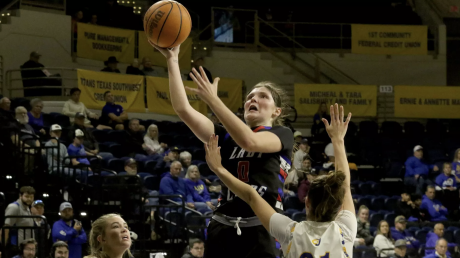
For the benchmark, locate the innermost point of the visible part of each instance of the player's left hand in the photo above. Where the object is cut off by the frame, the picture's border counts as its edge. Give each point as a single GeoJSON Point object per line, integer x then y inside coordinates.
{"type": "Point", "coordinates": [213, 157]}
{"type": "Point", "coordinates": [206, 90]}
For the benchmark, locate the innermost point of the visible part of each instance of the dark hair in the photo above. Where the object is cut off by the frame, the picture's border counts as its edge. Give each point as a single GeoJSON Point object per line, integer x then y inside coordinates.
{"type": "Point", "coordinates": [195, 241]}
{"type": "Point", "coordinates": [279, 97]}
{"type": "Point", "coordinates": [132, 120]}
{"type": "Point", "coordinates": [105, 93]}
{"type": "Point", "coordinates": [56, 246]}
{"type": "Point", "coordinates": [446, 163]}
{"type": "Point", "coordinates": [319, 109]}
{"type": "Point", "coordinates": [326, 196]}
{"type": "Point", "coordinates": [430, 187]}
{"type": "Point", "coordinates": [389, 231]}
{"type": "Point", "coordinates": [415, 197]}
{"type": "Point", "coordinates": [73, 90]}
{"type": "Point", "coordinates": [27, 190]}
{"type": "Point", "coordinates": [23, 244]}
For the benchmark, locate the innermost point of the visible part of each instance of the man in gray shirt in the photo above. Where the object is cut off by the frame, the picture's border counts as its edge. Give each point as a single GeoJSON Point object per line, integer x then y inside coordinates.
{"type": "Point", "coordinates": [20, 208]}
{"type": "Point", "coordinates": [55, 156]}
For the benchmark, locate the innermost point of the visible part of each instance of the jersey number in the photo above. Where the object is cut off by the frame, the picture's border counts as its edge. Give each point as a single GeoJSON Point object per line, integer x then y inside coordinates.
{"type": "Point", "coordinates": [309, 255]}
{"type": "Point", "coordinates": [243, 171]}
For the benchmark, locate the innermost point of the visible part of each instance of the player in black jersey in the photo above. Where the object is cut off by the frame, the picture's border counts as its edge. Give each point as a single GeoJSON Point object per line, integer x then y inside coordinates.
{"type": "Point", "coordinates": [258, 153]}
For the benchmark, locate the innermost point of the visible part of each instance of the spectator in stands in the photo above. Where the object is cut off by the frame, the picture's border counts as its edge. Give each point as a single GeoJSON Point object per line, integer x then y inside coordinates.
{"type": "Point", "coordinates": [36, 116]}
{"type": "Point", "coordinates": [417, 213]}
{"type": "Point", "coordinates": [113, 115]}
{"type": "Point", "coordinates": [329, 158]}
{"type": "Point", "coordinates": [76, 18]}
{"type": "Point", "coordinates": [383, 240]}
{"type": "Point", "coordinates": [434, 207]}
{"type": "Point", "coordinates": [432, 239]}
{"type": "Point", "coordinates": [303, 151]}
{"type": "Point", "coordinates": [28, 249]}
{"type": "Point", "coordinates": [297, 139]}
{"type": "Point", "coordinates": [153, 146]}
{"type": "Point", "coordinates": [196, 249]}
{"type": "Point", "coordinates": [69, 230]}
{"type": "Point", "coordinates": [304, 185]}
{"type": "Point", "coordinates": [400, 249]}
{"type": "Point", "coordinates": [170, 156]}
{"type": "Point", "coordinates": [131, 167]}
{"type": "Point", "coordinates": [93, 20]}
{"type": "Point", "coordinates": [55, 156]}
{"type": "Point", "coordinates": [172, 184]}
{"type": "Point", "coordinates": [76, 149]}
{"type": "Point", "coordinates": [89, 141]}
{"type": "Point", "coordinates": [19, 208]}
{"type": "Point", "coordinates": [198, 187]}
{"type": "Point", "coordinates": [42, 234]}
{"type": "Point", "coordinates": [440, 250]}
{"type": "Point", "coordinates": [445, 180]}
{"type": "Point", "coordinates": [149, 70]}
{"type": "Point", "coordinates": [74, 106]}
{"type": "Point", "coordinates": [318, 125]}
{"type": "Point", "coordinates": [60, 249]}
{"type": "Point", "coordinates": [135, 136]}
{"type": "Point", "coordinates": [363, 235]}
{"type": "Point", "coordinates": [185, 159]}
{"type": "Point", "coordinates": [27, 132]}
{"type": "Point", "coordinates": [134, 68]}
{"type": "Point", "coordinates": [296, 175]}
{"type": "Point", "coordinates": [5, 106]}
{"type": "Point", "coordinates": [446, 190]}
{"type": "Point", "coordinates": [404, 205]}
{"type": "Point", "coordinates": [417, 170]}
{"type": "Point", "coordinates": [111, 65]}
{"type": "Point", "coordinates": [399, 232]}
{"type": "Point", "coordinates": [199, 62]}
{"type": "Point", "coordinates": [214, 119]}
{"type": "Point", "coordinates": [456, 165]}
{"type": "Point", "coordinates": [32, 78]}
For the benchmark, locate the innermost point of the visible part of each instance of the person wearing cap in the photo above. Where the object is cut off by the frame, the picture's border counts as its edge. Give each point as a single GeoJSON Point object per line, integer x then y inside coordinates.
{"type": "Point", "coordinates": [399, 232]}
{"type": "Point", "coordinates": [111, 65]}
{"type": "Point", "coordinates": [55, 156]}
{"type": "Point", "coordinates": [400, 249]}
{"type": "Point", "coordinates": [440, 250]}
{"type": "Point", "coordinates": [69, 230]}
{"type": "Point", "coordinates": [77, 149]}
{"type": "Point", "coordinates": [417, 171]}
{"type": "Point", "coordinates": [42, 234]}
{"type": "Point", "coordinates": [37, 72]}
{"type": "Point", "coordinates": [434, 207]}
{"type": "Point", "coordinates": [303, 152]}
{"type": "Point", "coordinates": [113, 115]}
{"type": "Point", "coordinates": [131, 167]}
{"type": "Point", "coordinates": [297, 139]}
{"type": "Point", "coordinates": [171, 155]}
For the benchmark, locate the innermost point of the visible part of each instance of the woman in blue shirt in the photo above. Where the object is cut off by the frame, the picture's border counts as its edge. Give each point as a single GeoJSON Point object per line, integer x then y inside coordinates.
{"type": "Point", "coordinates": [456, 165]}
{"type": "Point", "coordinates": [198, 187]}
{"type": "Point", "coordinates": [36, 116]}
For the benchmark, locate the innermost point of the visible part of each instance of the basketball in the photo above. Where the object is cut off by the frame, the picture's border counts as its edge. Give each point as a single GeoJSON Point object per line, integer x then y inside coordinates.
{"type": "Point", "coordinates": [167, 23]}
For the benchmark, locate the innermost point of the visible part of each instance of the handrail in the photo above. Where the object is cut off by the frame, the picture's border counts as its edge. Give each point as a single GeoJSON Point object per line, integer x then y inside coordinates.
{"type": "Point", "coordinates": [310, 52]}
{"type": "Point", "coordinates": [201, 32]}
{"type": "Point", "coordinates": [8, 6]}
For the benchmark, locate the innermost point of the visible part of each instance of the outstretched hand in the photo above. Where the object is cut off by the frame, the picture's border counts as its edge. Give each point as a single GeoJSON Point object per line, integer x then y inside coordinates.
{"type": "Point", "coordinates": [167, 52]}
{"type": "Point", "coordinates": [205, 90]}
{"type": "Point", "coordinates": [337, 128]}
{"type": "Point", "coordinates": [213, 157]}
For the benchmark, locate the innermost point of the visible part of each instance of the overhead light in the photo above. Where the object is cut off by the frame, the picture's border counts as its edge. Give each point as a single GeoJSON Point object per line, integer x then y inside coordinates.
{"type": "Point", "coordinates": [3, 14]}
{"type": "Point", "coordinates": [46, 195]}
{"type": "Point", "coordinates": [9, 177]}
{"type": "Point", "coordinates": [138, 11]}
{"type": "Point", "coordinates": [134, 2]}
{"type": "Point", "coordinates": [59, 213]}
{"type": "Point", "coordinates": [140, 7]}
{"type": "Point", "coordinates": [83, 214]}
{"type": "Point", "coordinates": [204, 48]}
{"type": "Point", "coordinates": [122, 2]}
{"type": "Point", "coordinates": [127, 2]}
{"type": "Point", "coordinates": [118, 1]}
{"type": "Point", "coordinates": [8, 14]}
{"type": "Point", "coordinates": [192, 61]}
{"type": "Point", "coordinates": [134, 11]}
{"type": "Point", "coordinates": [135, 7]}
{"type": "Point", "coordinates": [194, 47]}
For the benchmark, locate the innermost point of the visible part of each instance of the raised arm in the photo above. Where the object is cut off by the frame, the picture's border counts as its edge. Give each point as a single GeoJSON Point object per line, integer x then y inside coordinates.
{"type": "Point", "coordinates": [337, 130]}
{"type": "Point", "coordinates": [200, 125]}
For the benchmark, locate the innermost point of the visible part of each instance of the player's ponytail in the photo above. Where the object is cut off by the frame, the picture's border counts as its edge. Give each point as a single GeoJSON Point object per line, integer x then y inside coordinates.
{"type": "Point", "coordinates": [326, 196]}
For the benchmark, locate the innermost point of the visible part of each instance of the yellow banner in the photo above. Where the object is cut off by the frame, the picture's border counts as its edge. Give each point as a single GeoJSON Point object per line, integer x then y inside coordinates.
{"type": "Point", "coordinates": [99, 43]}
{"type": "Point", "coordinates": [146, 50]}
{"type": "Point", "coordinates": [361, 100]}
{"type": "Point", "coordinates": [230, 92]}
{"type": "Point", "coordinates": [427, 101]}
{"type": "Point", "coordinates": [389, 39]}
{"type": "Point", "coordinates": [128, 90]}
{"type": "Point", "coordinates": [159, 100]}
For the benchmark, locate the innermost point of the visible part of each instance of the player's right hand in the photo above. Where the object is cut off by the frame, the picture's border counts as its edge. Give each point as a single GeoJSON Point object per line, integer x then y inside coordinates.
{"type": "Point", "coordinates": [167, 52]}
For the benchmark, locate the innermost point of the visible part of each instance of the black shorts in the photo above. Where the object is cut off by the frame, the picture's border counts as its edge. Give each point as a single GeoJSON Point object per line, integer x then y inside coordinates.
{"type": "Point", "coordinates": [223, 241]}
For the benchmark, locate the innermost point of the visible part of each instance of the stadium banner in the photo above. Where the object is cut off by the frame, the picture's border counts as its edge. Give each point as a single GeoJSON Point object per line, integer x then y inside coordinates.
{"type": "Point", "coordinates": [159, 100]}
{"type": "Point", "coordinates": [128, 90]}
{"type": "Point", "coordinates": [361, 100]}
{"type": "Point", "coordinates": [157, 59]}
{"type": "Point", "coordinates": [99, 43]}
{"type": "Point", "coordinates": [427, 102]}
{"type": "Point", "coordinates": [389, 39]}
{"type": "Point", "coordinates": [230, 91]}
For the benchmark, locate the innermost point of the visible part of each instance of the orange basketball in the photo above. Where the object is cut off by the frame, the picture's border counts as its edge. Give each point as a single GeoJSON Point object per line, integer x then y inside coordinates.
{"type": "Point", "coordinates": [167, 23]}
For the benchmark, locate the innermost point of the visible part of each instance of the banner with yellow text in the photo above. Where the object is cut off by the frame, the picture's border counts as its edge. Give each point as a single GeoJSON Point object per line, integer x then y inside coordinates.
{"type": "Point", "coordinates": [389, 39]}
{"type": "Point", "coordinates": [99, 43]}
{"type": "Point", "coordinates": [147, 50]}
{"type": "Point", "coordinates": [230, 91]}
{"type": "Point", "coordinates": [427, 101]}
{"type": "Point", "coordinates": [159, 100]}
{"type": "Point", "coordinates": [128, 90]}
{"type": "Point", "coordinates": [361, 100]}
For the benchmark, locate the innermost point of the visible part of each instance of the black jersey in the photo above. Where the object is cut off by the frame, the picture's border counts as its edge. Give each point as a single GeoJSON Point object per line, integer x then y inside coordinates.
{"type": "Point", "coordinates": [265, 172]}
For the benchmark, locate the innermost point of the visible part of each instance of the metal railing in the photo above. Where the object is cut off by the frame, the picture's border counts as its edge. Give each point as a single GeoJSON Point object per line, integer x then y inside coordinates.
{"type": "Point", "coordinates": [15, 81]}
{"type": "Point", "coordinates": [1, 76]}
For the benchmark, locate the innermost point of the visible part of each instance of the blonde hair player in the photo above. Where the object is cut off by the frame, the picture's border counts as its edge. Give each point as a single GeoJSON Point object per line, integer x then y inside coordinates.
{"type": "Point", "coordinates": [331, 226]}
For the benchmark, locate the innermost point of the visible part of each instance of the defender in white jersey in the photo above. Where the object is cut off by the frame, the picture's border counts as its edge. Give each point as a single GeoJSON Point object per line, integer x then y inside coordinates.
{"type": "Point", "coordinates": [331, 226]}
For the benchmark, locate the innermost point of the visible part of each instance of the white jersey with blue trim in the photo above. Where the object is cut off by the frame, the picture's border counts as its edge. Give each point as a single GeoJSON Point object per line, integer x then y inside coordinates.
{"type": "Point", "coordinates": [309, 239]}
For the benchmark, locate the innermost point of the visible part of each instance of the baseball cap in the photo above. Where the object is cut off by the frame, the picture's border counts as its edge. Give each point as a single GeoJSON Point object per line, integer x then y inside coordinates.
{"type": "Point", "coordinates": [400, 219]}
{"type": "Point", "coordinates": [79, 115]}
{"type": "Point", "coordinates": [400, 243]}
{"type": "Point", "coordinates": [129, 162]}
{"type": "Point", "coordinates": [35, 54]}
{"type": "Point", "coordinates": [56, 127]}
{"type": "Point", "coordinates": [417, 148]}
{"type": "Point", "coordinates": [64, 206]}
{"type": "Point", "coordinates": [79, 133]}
{"type": "Point", "coordinates": [38, 202]}
{"type": "Point", "coordinates": [297, 133]}
{"type": "Point", "coordinates": [175, 148]}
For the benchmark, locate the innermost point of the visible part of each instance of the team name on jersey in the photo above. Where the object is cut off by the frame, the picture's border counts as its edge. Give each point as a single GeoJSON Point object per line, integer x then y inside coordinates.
{"type": "Point", "coordinates": [243, 154]}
